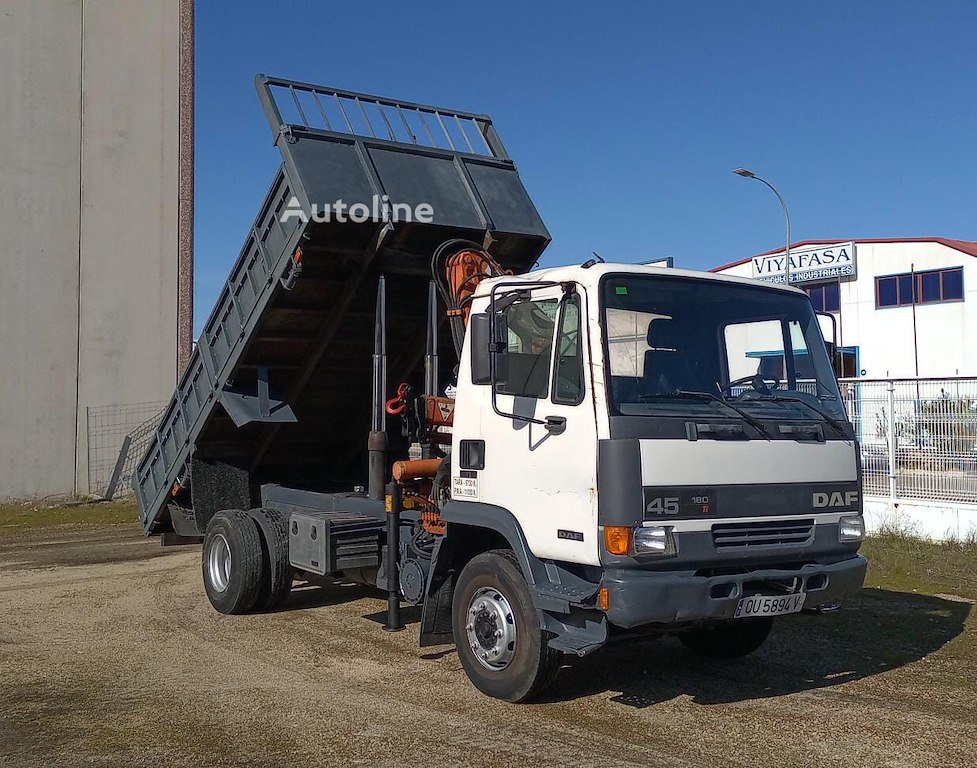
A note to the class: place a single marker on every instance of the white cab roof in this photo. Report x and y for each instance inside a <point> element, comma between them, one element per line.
<point>590,277</point>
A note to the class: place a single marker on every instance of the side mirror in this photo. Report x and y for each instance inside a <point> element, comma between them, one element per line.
<point>835,357</point>
<point>831,346</point>
<point>488,352</point>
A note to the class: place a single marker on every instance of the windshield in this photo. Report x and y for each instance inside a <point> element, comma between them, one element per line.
<point>757,348</point>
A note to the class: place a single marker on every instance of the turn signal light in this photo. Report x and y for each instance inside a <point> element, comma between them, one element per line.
<point>617,539</point>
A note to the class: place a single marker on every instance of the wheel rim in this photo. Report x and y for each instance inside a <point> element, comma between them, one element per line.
<point>219,562</point>
<point>491,628</point>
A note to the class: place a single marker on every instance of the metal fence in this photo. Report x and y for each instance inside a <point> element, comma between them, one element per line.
<point>117,436</point>
<point>918,436</point>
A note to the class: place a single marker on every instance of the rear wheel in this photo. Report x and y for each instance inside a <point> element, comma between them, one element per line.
<point>496,630</point>
<point>728,640</point>
<point>276,572</point>
<point>232,562</point>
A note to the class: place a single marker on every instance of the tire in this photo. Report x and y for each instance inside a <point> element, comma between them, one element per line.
<point>276,570</point>
<point>232,561</point>
<point>728,640</point>
<point>493,585</point>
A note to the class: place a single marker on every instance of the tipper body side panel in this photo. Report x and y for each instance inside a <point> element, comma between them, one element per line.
<point>279,383</point>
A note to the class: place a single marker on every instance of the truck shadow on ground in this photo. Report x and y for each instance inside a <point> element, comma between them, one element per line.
<point>319,594</point>
<point>326,592</point>
<point>875,631</point>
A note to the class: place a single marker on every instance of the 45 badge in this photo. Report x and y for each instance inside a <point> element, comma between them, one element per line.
<point>661,502</point>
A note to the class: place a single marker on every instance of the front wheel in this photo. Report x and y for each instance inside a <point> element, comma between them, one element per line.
<point>728,640</point>
<point>496,630</point>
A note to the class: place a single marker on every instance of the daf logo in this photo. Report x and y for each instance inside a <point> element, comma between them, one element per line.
<point>835,499</point>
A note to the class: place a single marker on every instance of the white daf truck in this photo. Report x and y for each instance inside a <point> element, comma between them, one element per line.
<point>672,443</point>
<point>593,450</point>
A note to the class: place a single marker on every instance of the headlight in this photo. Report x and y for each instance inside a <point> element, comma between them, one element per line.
<point>851,528</point>
<point>654,540</point>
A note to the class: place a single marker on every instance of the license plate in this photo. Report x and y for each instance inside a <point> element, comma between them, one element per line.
<point>769,605</point>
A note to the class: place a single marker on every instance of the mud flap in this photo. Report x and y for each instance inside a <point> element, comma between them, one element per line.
<point>217,485</point>
<point>436,610</point>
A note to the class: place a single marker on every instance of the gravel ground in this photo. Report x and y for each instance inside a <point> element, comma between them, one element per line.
<point>111,655</point>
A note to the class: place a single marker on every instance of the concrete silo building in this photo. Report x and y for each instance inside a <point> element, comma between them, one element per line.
<point>95,228</point>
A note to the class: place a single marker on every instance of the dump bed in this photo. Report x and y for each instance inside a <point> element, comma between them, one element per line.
<point>279,383</point>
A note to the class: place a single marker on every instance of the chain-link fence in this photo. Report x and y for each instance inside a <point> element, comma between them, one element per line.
<point>918,436</point>
<point>117,437</point>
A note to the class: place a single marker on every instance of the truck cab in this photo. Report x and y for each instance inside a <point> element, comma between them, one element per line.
<point>674,439</point>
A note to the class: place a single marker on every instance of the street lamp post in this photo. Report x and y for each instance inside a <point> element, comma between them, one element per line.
<point>748,174</point>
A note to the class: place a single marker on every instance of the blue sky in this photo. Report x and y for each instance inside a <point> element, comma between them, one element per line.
<point>625,119</point>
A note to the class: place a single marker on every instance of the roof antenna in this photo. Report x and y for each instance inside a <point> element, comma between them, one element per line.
<point>598,259</point>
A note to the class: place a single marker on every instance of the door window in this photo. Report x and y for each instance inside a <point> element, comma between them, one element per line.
<point>531,326</point>
<point>568,382</point>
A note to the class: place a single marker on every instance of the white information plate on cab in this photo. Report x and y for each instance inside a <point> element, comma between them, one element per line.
<point>464,488</point>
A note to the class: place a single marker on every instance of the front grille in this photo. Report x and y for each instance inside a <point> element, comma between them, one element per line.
<point>763,533</point>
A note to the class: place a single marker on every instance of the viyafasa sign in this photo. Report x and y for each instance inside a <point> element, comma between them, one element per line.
<point>818,262</point>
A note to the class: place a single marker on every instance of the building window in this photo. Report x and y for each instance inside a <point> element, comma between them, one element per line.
<point>930,287</point>
<point>825,298</point>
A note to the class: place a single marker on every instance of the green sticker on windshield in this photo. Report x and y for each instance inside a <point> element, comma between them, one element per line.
<point>621,290</point>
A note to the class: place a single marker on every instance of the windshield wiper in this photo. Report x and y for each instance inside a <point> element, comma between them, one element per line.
<point>758,425</point>
<point>835,424</point>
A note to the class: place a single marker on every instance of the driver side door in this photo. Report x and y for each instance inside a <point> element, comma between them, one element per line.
<point>548,472</point>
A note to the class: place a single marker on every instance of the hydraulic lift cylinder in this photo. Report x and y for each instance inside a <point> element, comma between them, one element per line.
<point>393,505</point>
<point>377,443</point>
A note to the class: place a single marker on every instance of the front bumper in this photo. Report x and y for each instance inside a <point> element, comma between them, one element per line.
<point>638,597</point>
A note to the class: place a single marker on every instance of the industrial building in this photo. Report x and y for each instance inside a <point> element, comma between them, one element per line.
<point>95,225</point>
<point>885,328</point>
<point>905,320</point>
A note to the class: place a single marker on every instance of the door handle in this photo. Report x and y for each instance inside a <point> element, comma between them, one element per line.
<point>556,425</point>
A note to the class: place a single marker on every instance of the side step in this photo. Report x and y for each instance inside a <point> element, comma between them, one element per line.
<point>327,542</point>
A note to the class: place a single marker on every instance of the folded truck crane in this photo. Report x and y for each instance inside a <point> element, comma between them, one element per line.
<point>385,393</point>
